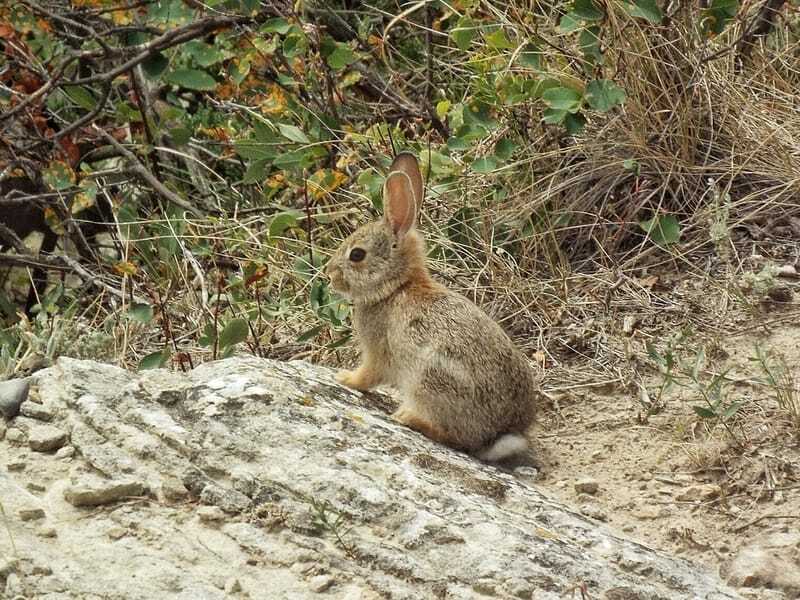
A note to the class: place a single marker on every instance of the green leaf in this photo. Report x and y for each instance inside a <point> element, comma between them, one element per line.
<point>569,22</point>
<point>293,133</point>
<point>311,333</point>
<point>283,221</point>
<point>299,159</point>
<point>180,135</point>
<point>81,96</point>
<point>497,40</point>
<point>235,332</point>
<point>252,150</point>
<point>238,71</point>
<point>554,116</point>
<point>341,57</point>
<point>154,360</point>
<point>562,98</point>
<point>589,41</point>
<point>732,410</point>
<point>698,363</point>
<point>574,123</point>
<point>504,148</point>
<point>278,25</point>
<point>463,33</point>
<point>603,95</point>
<point>142,313</point>
<point>58,175</point>
<point>663,230</point>
<point>705,413</point>
<point>204,54</point>
<point>192,79</point>
<point>531,57</point>
<point>587,10</point>
<point>154,65</point>
<point>256,171</point>
<point>646,9</point>
<point>718,14</point>
<point>486,164</point>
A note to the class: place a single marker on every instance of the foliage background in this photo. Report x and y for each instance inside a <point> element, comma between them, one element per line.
<point>200,161</point>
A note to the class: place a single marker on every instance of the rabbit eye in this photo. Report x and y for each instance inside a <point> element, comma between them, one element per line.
<point>357,254</point>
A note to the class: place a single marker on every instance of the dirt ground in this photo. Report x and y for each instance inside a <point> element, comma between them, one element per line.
<point>700,487</point>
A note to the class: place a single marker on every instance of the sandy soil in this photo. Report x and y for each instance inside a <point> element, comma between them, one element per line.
<point>673,480</point>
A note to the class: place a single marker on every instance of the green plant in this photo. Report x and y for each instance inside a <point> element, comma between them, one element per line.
<point>779,377</point>
<point>326,518</point>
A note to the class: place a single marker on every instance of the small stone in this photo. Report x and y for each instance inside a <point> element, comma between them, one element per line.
<point>780,293</point>
<point>649,512</point>
<point>44,438</point>
<point>12,394</point>
<point>13,586</point>
<point>65,452</point>
<point>587,485</point>
<point>593,511</point>
<point>698,493</point>
<point>320,583</point>
<point>2,430</point>
<point>8,566</point>
<point>768,562</point>
<point>16,466</point>
<point>173,490</point>
<point>16,436</point>
<point>47,531</point>
<point>232,586</point>
<point>788,271</point>
<point>210,514</point>
<point>116,533</point>
<point>95,493</point>
<point>35,487</point>
<point>35,411</point>
<point>31,514</point>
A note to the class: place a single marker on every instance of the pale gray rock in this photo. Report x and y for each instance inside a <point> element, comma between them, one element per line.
<point>36,411</point>
<point>320,583</point>
<point>772,561</point>
<point>298,471</point>
<point>65,452</point>
<point>587,485</point>
<point>699,493</point>
<point>45,438</point>
<point>16,436</point>
<point>92,492</point>
<point>12,394</point>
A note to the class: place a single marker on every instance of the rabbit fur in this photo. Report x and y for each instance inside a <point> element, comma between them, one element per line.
<point>462,381</point>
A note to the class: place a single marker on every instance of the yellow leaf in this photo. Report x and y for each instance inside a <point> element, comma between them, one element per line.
<point>324,181</point>
<point>275,101</point>
<point>125,268</point>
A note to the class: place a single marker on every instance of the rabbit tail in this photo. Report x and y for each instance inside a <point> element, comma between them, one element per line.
<point>503,447</point>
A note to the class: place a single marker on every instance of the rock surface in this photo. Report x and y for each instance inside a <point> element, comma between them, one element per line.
<point>312,489</point>
<point>12,394</point>
<point>772,561</point>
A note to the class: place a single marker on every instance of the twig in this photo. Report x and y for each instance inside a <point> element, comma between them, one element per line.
<point>763,518</point>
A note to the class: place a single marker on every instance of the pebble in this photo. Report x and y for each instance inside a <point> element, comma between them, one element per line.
<point>650,512</point>
<point>697,493</point>
<point>768,562</point>
<point>16,436</point>
<point>7,566</point>
<point>95,493</point>
<point>44,438</point>
<point>232,586</point>
<point>210,514</point>
<point>320,583</point>
<point>587,485</point>
<point>12,394</point>
<point>65,452</point>
<point>116,533</point>
<point>16,466</point>
<point>173,490</point>
<point>36,411</point>
<point>47,531</point>
<point>2,430</point>
<point>593,511</point>
<point>31,514</point>
<point>35,487</point>
<point>787,271</point>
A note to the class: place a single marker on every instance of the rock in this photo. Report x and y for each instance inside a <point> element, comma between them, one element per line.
<point>31,514</point>
<point>16,436</point>
<point>772,561</point>
<point>15,466</point>
<point>36,411</point>
<point>2,430</point>
<point>593,511</point>
<point>65,452</point>
<point>320,583</point>
<point>322,478</point>
<point>587,485</point>
<point>117,533</point>
<point>95,493</point>
<point>14,589</point>
<point>781,293</point>
<point>34,486</point>
<point>8,566</point>
<point>173,490</point>
<point>210,514</point>
<point>12,394</point>
<point>788,271</point>
<point>698,493</point>
<point>44,438</point>
<point>232,586</point>
<point>47,531</point>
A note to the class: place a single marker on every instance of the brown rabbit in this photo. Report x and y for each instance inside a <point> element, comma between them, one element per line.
<point>462,381</point>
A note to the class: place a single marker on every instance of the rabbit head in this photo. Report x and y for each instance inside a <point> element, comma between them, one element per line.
<point>382,256</point>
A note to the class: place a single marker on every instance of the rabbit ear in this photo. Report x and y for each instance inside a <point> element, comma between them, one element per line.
<point>402,194</point>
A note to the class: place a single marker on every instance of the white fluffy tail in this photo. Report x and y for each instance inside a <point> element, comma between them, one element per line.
<point>503,447</point>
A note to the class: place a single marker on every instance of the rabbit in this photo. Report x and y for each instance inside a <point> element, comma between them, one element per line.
<point>462,381</point>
